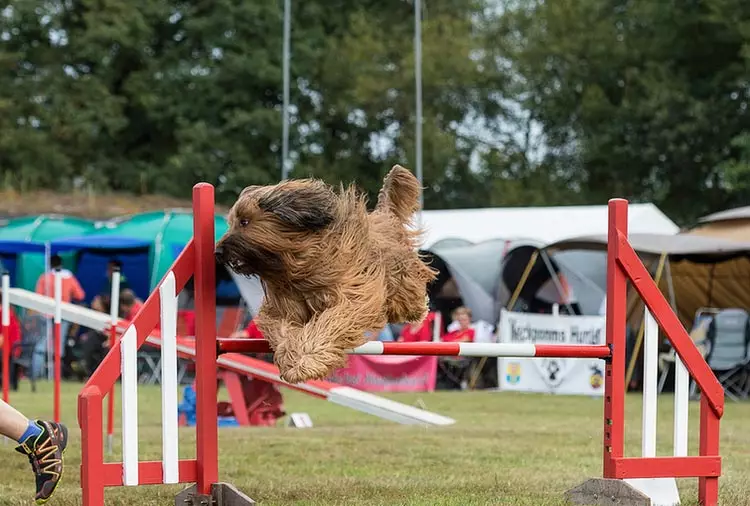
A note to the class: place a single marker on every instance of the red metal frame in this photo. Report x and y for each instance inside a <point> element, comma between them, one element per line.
<point>196,258</point>
<point>623,264</point>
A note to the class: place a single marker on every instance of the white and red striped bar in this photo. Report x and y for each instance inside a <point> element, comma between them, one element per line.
<point>227,345</point>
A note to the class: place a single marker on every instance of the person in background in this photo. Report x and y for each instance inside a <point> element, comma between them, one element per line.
<point>129,304</point>
<point>464,333</point>
<point>71,292</point>
<point>385,335</point>
<point>416,332</point>
<point>99,302</point>
<point>249,332</point>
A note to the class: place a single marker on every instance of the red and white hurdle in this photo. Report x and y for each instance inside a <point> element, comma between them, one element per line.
<point>621,475</point>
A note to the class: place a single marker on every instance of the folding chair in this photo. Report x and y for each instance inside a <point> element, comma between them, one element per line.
<point>698,334</point>
<point>33,330</point>
<point>728,338</point>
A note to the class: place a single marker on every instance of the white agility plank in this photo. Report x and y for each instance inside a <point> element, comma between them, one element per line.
<point>385,408</point>
<point>650,373</point>
<point>681,398</point>
<point>99,321</point>
<point>170,454</point>
<point>129,379</point>
<point>6,300</point>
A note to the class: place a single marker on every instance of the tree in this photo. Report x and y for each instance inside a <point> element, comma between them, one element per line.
<point>637,99</point>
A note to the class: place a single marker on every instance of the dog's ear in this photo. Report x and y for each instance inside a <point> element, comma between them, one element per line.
<point>305,206</point>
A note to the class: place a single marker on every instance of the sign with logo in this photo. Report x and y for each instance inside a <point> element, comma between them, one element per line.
<point>577,376</point>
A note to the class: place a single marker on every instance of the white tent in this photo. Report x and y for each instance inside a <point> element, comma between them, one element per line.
<point>541,224</point>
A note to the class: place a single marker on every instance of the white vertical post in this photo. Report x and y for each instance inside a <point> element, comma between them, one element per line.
<point>129,369</point>
<point>170,456</point>
<point>681,397</point>
<point>650,372</point>
<point>6,301</point>
<point>114,317</point>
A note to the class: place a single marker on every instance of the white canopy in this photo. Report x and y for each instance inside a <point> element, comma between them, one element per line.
<point>544,225</point>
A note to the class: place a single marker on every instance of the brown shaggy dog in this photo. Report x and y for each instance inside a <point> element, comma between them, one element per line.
<point>331,270</point>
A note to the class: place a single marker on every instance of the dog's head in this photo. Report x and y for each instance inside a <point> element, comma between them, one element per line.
<point>268,224</point>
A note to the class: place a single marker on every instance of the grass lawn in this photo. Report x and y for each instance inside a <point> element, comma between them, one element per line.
<point>510,449</point>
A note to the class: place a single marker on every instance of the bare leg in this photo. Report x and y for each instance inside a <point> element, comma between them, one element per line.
<point>12,423</point>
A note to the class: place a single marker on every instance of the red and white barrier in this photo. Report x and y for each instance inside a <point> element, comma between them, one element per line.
<point>57,344</point>
<point>440,349</point>
<point>197,259</point>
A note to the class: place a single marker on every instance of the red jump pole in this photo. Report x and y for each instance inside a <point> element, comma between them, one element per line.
<point>207,435</point>
<point>114,313</point>
<point>57,340</point>
<point>6,336</point>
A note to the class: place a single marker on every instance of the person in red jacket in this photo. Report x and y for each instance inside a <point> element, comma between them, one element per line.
<point>14,331</point>
<point>464,333</point>
<point>249,332</point>
<point>417,332</point>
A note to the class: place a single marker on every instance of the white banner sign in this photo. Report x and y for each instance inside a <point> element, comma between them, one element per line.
<point>577,376</point>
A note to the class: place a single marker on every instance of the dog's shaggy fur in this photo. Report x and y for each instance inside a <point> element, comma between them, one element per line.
<point>331,271</point>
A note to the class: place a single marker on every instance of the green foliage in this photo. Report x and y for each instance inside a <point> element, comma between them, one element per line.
<point>525,102</point>
<point>647,95</point>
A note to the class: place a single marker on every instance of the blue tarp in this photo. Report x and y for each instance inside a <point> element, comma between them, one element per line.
<point>9,251</point>
<point>98,243</point>
<point>95,251</point>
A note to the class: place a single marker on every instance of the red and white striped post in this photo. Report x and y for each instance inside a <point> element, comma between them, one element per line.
<point>6,336</point>
<point>114,314</point>
<point>57,341</point>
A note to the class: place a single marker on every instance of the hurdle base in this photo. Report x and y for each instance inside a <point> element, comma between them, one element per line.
<point>222,494</point>
<point>603,491</point>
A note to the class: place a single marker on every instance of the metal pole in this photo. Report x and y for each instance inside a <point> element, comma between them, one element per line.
<point>285,113</point>
<point>418,84</point>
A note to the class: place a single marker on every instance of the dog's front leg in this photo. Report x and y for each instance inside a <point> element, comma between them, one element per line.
<point>316,349</point>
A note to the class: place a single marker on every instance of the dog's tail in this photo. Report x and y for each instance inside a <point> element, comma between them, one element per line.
<point>399,194</point>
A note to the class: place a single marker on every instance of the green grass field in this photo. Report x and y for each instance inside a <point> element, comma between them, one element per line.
<point>510,449</point>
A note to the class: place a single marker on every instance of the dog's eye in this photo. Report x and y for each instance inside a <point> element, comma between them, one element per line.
<point>244,223</point>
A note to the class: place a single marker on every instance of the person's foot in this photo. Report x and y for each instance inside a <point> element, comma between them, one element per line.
<point>45,452</point>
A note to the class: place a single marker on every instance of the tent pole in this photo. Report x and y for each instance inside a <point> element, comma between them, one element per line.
<point>641,329</point>
<point>511,303</point>
<point>555,279</point>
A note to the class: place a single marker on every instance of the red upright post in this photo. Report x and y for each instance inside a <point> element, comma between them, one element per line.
<point>205,336</point>
<point>708,486</point>
<point>57,341</point>
<point>6,336</point>
<point>92,451</point>
<point>614,376</point>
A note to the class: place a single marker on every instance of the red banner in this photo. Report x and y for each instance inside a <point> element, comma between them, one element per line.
<point>388,373</point>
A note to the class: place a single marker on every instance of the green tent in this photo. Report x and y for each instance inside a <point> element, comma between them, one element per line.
<point>41,229</point>
<point>169,230</point>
